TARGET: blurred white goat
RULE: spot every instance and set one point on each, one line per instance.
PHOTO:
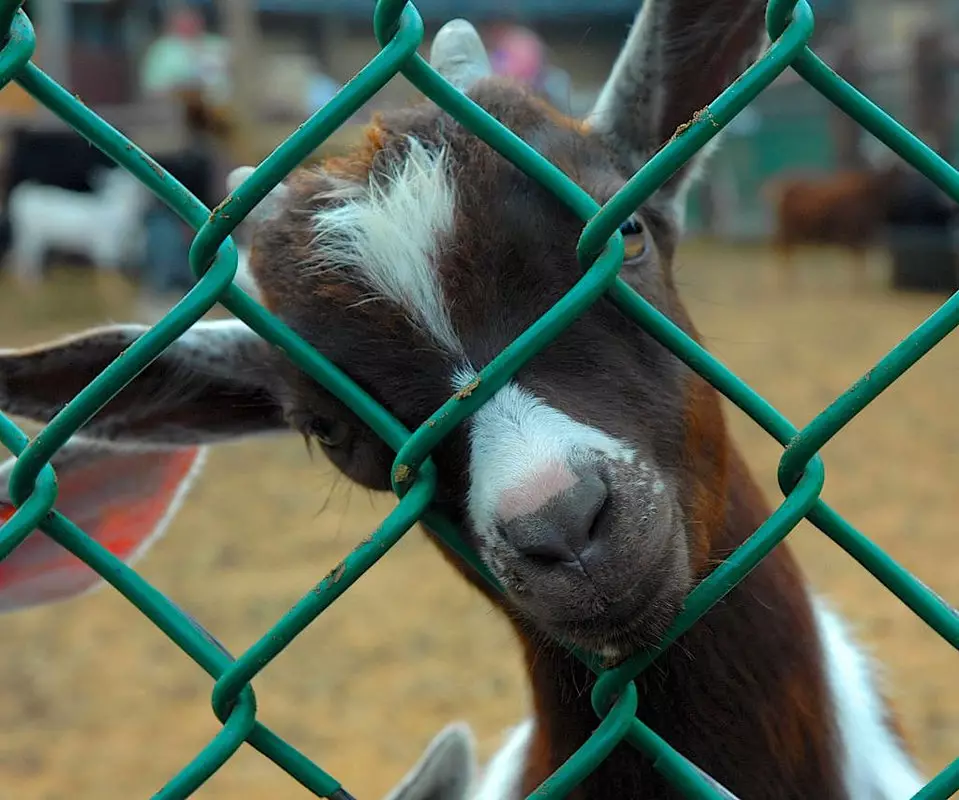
(105, 225)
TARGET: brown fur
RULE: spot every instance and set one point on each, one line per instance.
(356, 164)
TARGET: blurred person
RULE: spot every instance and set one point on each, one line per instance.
(190, 65)
(520, 53)
(187, 56)
(167, 274)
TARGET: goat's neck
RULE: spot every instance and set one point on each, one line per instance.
(742, 694)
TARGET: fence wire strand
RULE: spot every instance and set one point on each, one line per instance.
(213, 257)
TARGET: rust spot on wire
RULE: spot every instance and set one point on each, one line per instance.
(467, 390)
(333, 576)
(402, 473)
(153, 165)
(219, 206)
(703, 114)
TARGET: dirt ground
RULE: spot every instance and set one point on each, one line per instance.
(95, 703)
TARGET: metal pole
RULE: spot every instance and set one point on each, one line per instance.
(241, 27)
(52, 18)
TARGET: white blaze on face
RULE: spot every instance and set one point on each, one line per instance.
(389, 233)
(524, 452)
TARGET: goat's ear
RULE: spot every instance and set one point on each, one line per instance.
(269, 206)
(679, 55)
(212, 384)
(445, 770)
(122, 498)
(458, 54)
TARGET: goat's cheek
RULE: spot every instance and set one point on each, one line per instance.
(645, 533)
(364, 462)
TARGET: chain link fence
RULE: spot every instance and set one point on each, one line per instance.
(399, 30)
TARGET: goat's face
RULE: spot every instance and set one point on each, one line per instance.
(414, 262)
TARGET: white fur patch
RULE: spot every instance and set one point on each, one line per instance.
(244, 277)
(389, 233)
(874, 764)
(501, 780)
(514, 437)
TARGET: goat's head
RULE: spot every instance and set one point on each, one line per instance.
(588, 484)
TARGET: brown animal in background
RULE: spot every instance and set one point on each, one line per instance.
(845, 209)
(201, 117)
(599, 486)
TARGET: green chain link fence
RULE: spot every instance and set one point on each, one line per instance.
(399, 30)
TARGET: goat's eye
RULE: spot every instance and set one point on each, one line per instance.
(634, 238)
(328, 432)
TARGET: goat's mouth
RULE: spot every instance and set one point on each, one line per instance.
(575, 608)
(614, 638)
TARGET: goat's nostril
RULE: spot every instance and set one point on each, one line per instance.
(545, 554)
(598, 524)
(563, 526)
(538, 540)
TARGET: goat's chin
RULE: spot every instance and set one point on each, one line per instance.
(616, 640)
(613, 631)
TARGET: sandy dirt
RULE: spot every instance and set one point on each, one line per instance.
(96, 703)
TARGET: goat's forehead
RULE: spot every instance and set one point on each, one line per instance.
(424, 225)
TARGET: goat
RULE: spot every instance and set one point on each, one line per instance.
(105, 225)
(598, 486)
(55, 158)
(62, 159)
(847, 209)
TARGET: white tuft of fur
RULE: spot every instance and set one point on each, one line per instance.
(389, 236)
(503, 776)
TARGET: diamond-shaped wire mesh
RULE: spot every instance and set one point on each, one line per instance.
(399, 30)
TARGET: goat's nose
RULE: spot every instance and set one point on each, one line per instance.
(560, 529)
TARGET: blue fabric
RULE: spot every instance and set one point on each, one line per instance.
(167, 266)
